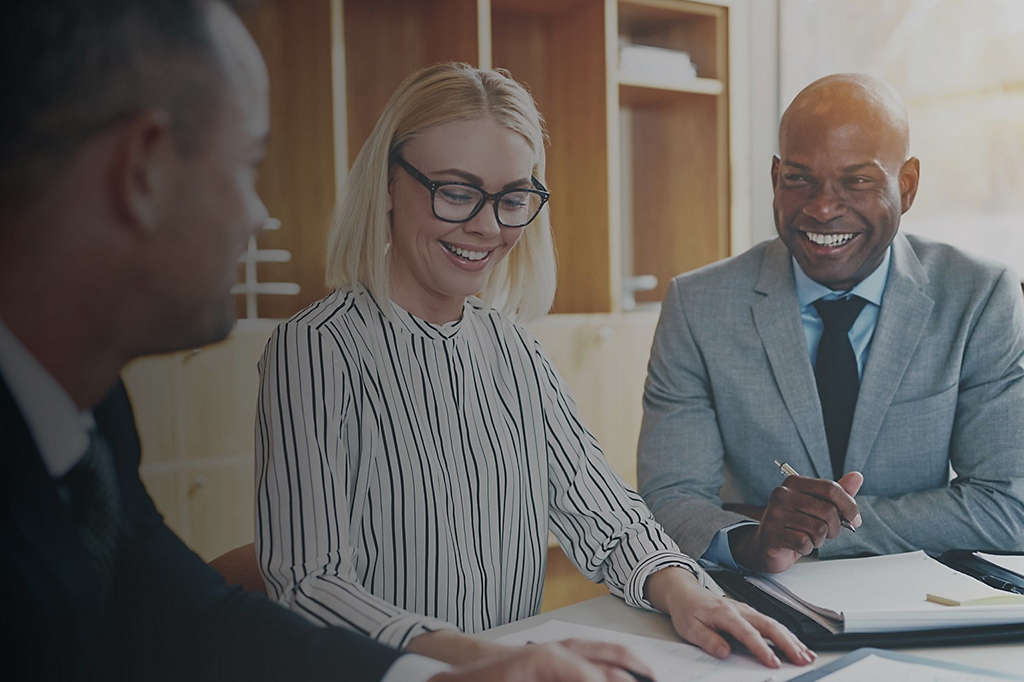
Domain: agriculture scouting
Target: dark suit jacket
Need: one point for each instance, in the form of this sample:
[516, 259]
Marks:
[167, 616]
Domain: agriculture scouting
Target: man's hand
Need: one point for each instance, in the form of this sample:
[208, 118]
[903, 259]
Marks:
[570, 660]
[801, 514]
[702, 617]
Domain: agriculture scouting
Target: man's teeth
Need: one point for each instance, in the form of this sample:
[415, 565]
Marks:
[465, 253]
[829, 239]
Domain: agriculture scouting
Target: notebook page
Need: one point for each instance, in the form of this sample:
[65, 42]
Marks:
[879, 583]
[1013, 563]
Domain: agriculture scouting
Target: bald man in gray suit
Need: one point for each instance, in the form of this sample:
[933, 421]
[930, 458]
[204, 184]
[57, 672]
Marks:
[737, 377]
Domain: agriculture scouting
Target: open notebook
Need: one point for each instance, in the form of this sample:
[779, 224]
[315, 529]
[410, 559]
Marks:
[889, 594]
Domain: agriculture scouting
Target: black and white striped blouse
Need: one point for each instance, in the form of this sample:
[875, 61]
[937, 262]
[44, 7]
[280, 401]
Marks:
[407, 474]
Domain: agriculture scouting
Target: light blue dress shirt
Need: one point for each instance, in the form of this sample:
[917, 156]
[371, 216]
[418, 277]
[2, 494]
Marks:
[871, 289]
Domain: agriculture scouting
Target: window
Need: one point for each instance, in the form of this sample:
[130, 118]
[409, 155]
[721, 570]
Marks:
[959, 65]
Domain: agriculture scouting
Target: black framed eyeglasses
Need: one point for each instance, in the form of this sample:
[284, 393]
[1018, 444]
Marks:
[459, 202]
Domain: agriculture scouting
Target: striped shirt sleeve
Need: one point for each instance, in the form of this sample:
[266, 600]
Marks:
[604, 527]
[302, 481]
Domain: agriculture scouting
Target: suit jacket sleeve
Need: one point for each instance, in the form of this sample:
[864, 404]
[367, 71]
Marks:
[181, 621]
[983, 507]
[680, 456]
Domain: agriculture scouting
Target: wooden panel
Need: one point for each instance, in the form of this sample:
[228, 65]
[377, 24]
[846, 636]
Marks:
[560, 57]
[677, 185]
[635, 94]
[297, 179]
[386, 40]
[195, 412]
[603, 360]
[537, 6]
[723, 140]
[564, 584]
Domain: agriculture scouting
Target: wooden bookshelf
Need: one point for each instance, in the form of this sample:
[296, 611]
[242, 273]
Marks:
[638, 165]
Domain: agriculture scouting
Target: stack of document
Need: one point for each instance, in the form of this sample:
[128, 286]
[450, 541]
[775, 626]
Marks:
[644, 63]
[893, 593]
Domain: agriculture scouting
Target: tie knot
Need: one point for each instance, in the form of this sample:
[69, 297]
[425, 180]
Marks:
[840, 314]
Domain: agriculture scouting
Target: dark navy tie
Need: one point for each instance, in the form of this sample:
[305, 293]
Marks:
[93, 496]
[835, 371]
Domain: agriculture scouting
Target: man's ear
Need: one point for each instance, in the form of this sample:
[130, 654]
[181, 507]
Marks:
[142, 169]
[775, 170]
[910, 173]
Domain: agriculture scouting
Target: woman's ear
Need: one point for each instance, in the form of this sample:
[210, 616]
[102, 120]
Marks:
[391, 184]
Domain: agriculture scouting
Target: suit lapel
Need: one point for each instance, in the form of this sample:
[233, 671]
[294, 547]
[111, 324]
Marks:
[901, 322]
[39, 516]
[777, 318]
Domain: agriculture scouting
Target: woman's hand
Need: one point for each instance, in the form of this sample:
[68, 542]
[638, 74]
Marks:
[702, 617]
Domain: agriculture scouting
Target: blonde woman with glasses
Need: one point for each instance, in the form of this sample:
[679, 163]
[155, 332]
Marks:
[414, 444]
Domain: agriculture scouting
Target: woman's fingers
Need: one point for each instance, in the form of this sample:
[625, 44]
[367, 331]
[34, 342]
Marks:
[710, 626]
[788, 643]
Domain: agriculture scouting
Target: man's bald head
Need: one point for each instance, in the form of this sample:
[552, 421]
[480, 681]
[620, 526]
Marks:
[843, 177]
[851, 100]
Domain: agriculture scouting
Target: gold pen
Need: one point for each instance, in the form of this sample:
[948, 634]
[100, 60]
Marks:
[790, 471]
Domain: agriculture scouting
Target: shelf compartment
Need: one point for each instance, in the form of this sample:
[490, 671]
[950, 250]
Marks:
[635, 92]
[676, 184]
[691, 27]
[559, 54]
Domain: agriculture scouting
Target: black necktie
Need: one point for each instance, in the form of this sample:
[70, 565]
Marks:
[835, 370]
[95, 503]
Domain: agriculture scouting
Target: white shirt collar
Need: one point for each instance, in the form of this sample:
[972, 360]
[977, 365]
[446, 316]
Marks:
[59, 428]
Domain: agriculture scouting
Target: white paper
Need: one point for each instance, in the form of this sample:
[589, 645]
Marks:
[878, 668]
[887, 593]
[669, 661]
[877, 583]
[1013, 563]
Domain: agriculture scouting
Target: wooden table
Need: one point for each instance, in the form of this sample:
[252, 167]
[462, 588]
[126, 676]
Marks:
[612, 613]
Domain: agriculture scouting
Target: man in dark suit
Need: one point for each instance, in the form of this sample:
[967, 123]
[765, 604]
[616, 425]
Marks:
[130, 136]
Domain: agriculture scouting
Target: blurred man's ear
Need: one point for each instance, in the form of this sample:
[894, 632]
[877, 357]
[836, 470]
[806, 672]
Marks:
[776, 161]
[142, 170]
[910, 173]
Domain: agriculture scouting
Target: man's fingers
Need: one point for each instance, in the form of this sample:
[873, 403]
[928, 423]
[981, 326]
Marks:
[851, 483]
[606, 653]
[615, 674]
[829, 493]
[785, 527]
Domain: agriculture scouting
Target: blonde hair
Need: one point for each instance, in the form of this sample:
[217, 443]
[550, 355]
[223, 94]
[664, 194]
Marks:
[523, 283]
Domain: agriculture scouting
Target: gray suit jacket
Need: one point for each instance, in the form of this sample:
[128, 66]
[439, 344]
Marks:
[730, 387]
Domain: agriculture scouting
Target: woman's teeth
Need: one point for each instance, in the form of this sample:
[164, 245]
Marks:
[465, 253]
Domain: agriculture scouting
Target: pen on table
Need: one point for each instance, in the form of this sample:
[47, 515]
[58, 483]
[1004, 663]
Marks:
[639, 677]
[1000, 584]
[790, 471]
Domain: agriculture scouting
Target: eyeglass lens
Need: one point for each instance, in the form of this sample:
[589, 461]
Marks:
[458, 202]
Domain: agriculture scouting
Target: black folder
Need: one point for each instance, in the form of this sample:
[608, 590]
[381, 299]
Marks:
[817, 637]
